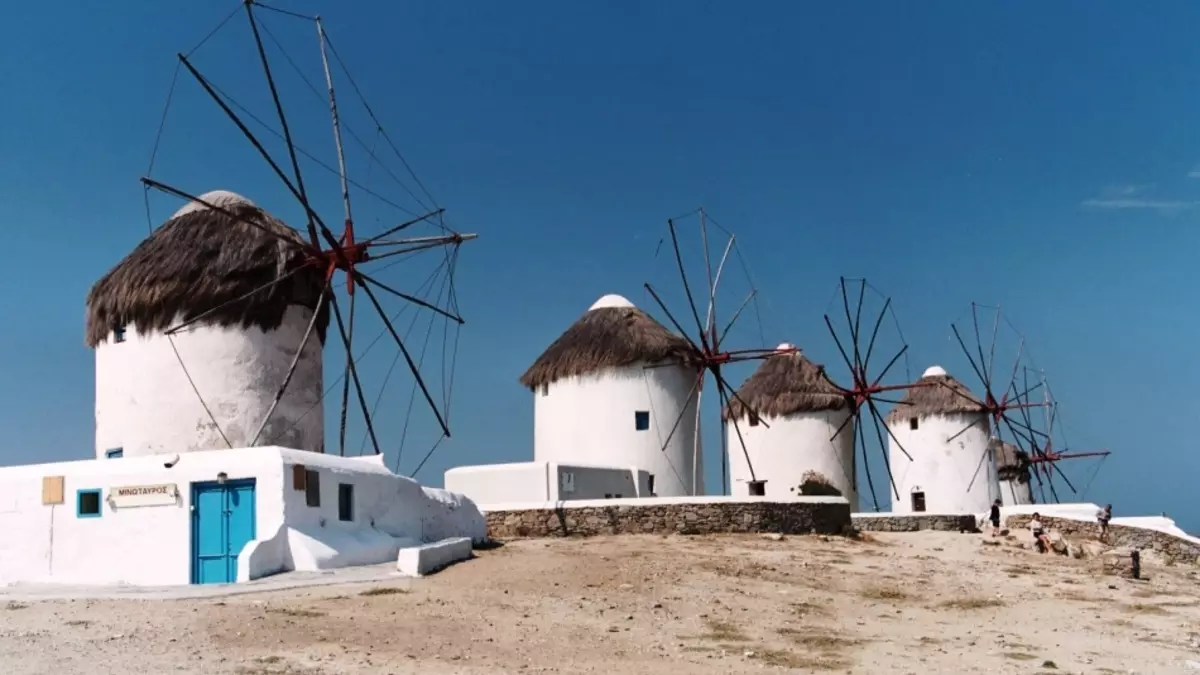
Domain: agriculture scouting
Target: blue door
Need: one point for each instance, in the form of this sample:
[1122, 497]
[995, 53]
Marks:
[222, 524]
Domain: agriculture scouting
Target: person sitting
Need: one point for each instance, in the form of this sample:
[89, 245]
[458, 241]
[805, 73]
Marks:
[1039, 534]
[1102, 517]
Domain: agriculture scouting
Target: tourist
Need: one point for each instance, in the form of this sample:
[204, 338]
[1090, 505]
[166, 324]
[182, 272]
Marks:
[995, 518]
[1103, 516]
[1039, 534]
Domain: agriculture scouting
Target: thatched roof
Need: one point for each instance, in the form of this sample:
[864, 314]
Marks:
[785, 384]
[939, 398]
[199, 259]
[1011, 461]
[611, 334]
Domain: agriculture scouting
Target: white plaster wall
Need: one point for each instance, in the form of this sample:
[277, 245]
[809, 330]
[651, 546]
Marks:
[544, 481]
[943, 468]
[590, 421]
[498, 483]
[390, 512]
[1015, 493]
[784, 448]
[658, 501]
[147, 546]
[145, 404]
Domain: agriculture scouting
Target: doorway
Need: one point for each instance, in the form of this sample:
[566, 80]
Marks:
[918, 502]
[223, 522]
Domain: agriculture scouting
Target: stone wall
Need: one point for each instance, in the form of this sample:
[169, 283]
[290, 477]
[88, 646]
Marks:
[1171, 548]
[672, 518]
[915, 522]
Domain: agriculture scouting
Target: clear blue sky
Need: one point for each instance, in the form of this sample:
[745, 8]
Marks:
[1029, 155]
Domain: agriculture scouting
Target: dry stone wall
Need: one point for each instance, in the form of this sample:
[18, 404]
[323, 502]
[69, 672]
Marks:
[915, 522]
[698, 518]
[1171, 548]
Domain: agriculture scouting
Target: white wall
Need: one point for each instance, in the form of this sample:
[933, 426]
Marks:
[590, 421]
[784, 448]
[1016, 493]
[145, 404]
[943, 468]
[148, 545]
[544, 482]
[151, 545]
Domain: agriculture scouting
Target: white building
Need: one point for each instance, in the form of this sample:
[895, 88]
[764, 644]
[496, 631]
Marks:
[215, 516]
[1013, 473]
[803, 447]
[944, 428]
[166, 500]
[608, 393]
[211, 384]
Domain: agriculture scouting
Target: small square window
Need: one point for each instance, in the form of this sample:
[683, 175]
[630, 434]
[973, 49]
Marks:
[641, 420]
[119, 334]
[345, 502]
[312, 488]
[913, 423]
[114, 453]
[754, 420]
[87, 504]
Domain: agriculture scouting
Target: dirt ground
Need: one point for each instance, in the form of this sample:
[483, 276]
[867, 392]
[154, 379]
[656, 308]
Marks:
[904, 603]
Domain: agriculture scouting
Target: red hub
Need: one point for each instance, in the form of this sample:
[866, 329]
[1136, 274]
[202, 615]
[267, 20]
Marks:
[345, 256]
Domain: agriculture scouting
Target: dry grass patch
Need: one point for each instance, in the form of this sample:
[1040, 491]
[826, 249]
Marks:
[1019, 656]
[383, 590]
[298, 613]
[888, 593]
[817, 640]
[803, 662]
[723, 631]
[967, 604]
[1140, 608]
[805, 608]
[13, 605]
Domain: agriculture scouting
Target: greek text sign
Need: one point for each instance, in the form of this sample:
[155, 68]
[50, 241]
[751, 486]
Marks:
[143, 495]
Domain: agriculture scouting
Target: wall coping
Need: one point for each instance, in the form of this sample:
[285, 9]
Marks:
[655, 501]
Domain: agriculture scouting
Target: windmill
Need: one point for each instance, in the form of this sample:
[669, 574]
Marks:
[1011, 398]
[351, 264]
[708, 341]
[868, 386]
[1044, 463]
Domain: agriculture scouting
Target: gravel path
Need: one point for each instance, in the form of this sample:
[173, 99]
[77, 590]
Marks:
[905, 603]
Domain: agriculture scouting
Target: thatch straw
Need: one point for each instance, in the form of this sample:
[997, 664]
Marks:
[200, 259]
[815, 484]
[785, 384]
[939, 398]
[1011, 461]
[604, 338]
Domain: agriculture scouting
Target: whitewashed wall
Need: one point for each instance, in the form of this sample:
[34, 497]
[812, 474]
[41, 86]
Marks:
[590, 421]
[943, 468]
[149, 545]
[146, 405]
[524, 482]
[1016, 493]
[152, 545]
[785, 448]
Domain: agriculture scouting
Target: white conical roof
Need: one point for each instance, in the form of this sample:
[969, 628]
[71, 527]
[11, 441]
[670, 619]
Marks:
[610, 301]
[785, 347]
[222, 198]
[934, 371]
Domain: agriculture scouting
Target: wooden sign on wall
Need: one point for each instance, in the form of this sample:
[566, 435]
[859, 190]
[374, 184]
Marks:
[143, 495]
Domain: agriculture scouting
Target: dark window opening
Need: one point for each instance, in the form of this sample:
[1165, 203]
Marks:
[641, 420]
[650, 483]
[114, 453]
[88, 504]
[918, 502]
[345, 502]
[754, 420]
[119, 334]
[913, 423]
[312, 488]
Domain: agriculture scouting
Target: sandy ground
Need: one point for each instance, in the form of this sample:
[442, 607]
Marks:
[905, 603]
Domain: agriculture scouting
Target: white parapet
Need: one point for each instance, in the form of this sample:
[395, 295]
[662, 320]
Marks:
[417, 561]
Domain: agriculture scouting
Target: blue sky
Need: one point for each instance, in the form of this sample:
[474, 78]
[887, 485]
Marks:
[1039, 157]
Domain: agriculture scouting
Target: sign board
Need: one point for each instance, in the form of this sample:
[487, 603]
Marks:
[567, 482]
[143, 495]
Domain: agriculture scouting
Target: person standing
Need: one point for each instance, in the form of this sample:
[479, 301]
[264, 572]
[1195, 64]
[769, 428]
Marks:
[1102, 517]
[994, 516]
